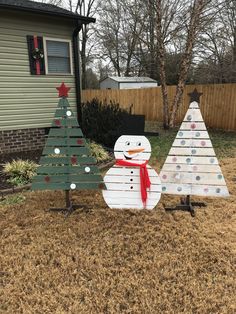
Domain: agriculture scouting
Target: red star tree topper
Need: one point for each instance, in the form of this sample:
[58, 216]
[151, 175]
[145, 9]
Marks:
[63, 90]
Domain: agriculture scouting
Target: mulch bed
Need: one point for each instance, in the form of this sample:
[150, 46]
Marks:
[118, 261]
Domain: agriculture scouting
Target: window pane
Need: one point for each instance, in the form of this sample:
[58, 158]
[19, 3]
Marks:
[57, 49]
[58, 65]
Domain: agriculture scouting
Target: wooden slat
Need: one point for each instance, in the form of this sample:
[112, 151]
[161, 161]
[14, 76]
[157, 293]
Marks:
[129, 179]
[129, 187]
[128, 194]
[58, 122]
[66, 186]
[191, 151]
[193, 115]
[67, 178]
[61, 132]
[65, 141]
[78, 151]
[193, 134]
[191, 143]
[191, 160]
[63, 170]
[192, 178]
[127, 171]
[196, 126]
[200, 190]
[191, 168]
[45, 160]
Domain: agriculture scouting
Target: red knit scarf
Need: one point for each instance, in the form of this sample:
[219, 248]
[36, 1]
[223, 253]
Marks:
[145, 182]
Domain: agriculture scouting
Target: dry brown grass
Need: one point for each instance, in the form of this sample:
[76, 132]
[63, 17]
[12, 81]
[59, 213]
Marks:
[111, 261]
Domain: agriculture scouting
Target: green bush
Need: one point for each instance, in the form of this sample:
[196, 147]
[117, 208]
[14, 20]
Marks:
[20, 171]
[98, 152]
[103, 123]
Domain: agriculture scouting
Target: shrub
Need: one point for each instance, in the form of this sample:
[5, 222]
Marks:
[103, 123]
[20, 171]
[98, 152]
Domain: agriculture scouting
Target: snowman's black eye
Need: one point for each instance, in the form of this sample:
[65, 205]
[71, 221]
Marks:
[139, 144]
[127, 143]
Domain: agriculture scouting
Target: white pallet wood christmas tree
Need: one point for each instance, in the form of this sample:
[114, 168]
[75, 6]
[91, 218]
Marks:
[191, 167]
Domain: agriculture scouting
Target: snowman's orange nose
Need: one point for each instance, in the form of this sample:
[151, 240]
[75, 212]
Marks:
[135, 151]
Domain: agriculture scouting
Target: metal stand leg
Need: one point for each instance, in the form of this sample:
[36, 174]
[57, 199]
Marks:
[186, 205]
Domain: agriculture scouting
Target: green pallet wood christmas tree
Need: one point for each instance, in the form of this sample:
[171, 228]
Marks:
[66, 163]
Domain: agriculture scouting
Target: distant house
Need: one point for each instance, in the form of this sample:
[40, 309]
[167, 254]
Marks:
[116, 82]
[38, 51]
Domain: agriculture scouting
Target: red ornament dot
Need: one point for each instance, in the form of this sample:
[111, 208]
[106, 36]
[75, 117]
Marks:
[57, 122]
[203, 143]
[79, 141]
[164, 176]
[193, 126]
[73, 160]
[206, 190]
[174, 159]
[47, 179]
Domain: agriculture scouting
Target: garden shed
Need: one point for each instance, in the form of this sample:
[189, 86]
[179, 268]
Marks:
[116, 82]
[38, 51]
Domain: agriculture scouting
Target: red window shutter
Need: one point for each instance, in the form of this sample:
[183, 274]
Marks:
[36, 55]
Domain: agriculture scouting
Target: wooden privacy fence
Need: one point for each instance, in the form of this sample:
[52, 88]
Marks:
[218, 102]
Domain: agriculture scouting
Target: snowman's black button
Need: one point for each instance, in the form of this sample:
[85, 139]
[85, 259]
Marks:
[132, 172]
[131, 180]
[131, 187]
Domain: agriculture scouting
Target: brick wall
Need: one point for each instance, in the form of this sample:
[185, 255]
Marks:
[21, 140]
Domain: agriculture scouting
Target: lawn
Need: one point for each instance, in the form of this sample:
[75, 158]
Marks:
[121, 261]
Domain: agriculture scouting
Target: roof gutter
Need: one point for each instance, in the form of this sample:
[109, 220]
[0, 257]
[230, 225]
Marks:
[83, 19]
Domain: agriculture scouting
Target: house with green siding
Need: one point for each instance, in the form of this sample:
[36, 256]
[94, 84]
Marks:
[39, 49]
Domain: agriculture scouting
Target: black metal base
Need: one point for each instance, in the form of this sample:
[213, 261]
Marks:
[70, 208]
[186, 205]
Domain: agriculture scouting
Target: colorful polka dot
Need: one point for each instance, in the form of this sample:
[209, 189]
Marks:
[181, 134]
[57, 122]
[183, 142]
[203, 143]
[177, 176]
[193, 126]
[212, 160]
[193, 151]
[197, 134]
[188, 160]
[80, 141]
[164, 176]
[218, 190]
[189, 117]
[198, 178]
[87, 169]
[219, 176]
[179, 189]
[73, 160]
[163, 188]
[73, 186]
[68, 113]
[178, 167]
[57, 151]
[206, 190]
[47, 179]
[174, 159]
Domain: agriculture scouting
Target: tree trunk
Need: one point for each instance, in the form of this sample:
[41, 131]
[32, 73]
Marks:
[187, 57]
[161, 59]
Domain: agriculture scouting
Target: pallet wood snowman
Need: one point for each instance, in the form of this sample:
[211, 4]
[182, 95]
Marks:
[191, 167]
[131, 182]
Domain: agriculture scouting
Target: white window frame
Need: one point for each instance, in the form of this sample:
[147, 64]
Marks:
[46, 56]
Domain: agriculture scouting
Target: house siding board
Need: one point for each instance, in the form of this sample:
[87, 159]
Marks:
[28, 101]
